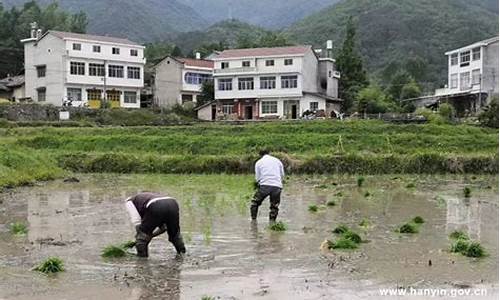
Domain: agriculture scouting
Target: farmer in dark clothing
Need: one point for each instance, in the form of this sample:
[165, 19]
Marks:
[152, 215]
[269, 174]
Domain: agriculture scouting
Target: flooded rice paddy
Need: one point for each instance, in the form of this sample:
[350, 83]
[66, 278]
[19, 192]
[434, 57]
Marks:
[231, 258]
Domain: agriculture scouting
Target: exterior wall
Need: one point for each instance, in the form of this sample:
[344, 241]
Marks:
[305, 103]
[49, 51]
[121, 90]
[168, 82]
[19, 93]
[327, 77]
[490, 69]
[310, 75]
[205, 113]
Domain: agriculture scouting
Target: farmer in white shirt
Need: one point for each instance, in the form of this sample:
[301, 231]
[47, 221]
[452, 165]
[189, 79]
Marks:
[153, 214]
[269, 175]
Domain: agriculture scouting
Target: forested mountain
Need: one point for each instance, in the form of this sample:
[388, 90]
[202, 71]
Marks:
[396, 34]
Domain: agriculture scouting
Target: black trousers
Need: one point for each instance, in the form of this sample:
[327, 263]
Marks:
[163, 212]
[262, 193]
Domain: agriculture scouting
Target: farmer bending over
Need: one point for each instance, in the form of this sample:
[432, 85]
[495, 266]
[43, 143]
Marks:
[269, 174]
[152, 215]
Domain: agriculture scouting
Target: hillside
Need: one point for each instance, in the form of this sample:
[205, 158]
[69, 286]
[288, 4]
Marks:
[392, 31]
[271, 14]
[142, 21]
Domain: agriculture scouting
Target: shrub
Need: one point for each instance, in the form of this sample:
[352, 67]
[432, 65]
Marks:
[418, 220]
[489, 117]
[408, 228]
[51, 265]
[18, 228]
[113, 252]
[447, 112]
[278, 226]
[341, 229]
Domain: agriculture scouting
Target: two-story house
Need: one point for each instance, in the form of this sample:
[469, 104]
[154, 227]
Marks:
[272, 83]
[179, 80]
[472, 77]
[86, 70]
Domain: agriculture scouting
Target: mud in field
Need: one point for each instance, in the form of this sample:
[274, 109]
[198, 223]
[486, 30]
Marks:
[231, 258]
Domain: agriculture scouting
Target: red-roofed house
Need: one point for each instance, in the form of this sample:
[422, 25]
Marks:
[179, 80]
[280, 82]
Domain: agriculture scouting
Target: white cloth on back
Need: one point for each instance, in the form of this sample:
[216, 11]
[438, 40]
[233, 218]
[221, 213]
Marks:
[269, 171]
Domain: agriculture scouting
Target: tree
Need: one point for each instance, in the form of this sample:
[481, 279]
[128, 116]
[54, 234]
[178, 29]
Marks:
[398, 81]
[410, 90]
[155, 52]
[177, 52]
[489, 117]
[207, 49]
[350, 64]
[372, 100]
[207, 93]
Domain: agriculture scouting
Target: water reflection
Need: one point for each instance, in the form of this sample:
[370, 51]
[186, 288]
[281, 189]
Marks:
[158, 281]
[465, 215]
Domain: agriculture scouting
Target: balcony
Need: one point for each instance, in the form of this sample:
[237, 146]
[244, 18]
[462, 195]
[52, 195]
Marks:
[236, 70]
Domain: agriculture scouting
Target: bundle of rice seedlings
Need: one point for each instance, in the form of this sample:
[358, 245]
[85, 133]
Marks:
[278, 226]
[51, 265]
[18, 228]
[113, 251]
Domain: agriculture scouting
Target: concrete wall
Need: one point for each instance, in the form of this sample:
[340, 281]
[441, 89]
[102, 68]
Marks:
[490, 69]
[310, 74]
[205, 113]
[168, 82]
[326, 75]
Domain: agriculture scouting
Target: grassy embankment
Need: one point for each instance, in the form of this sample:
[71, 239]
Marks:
[359, 147]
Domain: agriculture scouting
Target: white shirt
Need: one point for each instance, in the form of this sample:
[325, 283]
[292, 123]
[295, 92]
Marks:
[269, 171]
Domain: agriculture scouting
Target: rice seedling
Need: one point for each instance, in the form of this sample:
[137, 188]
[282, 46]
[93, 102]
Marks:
[352, 236]
[313, 208]
[474, 250]
[113, 251]
[467, 192]
[360, 181]
[341, 229]
[339, 194]
[51, 265]
[331, 203]
[278, 226]
[342, 243]
[408, 228]
[207, 298]
[364, 223]
[459, 246]
[410, 185]
[418, 220]
[367, 194]
[458, 235]
[18, 228]
[128, 245]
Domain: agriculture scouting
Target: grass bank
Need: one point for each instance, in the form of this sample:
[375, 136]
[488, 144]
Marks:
[356, 147]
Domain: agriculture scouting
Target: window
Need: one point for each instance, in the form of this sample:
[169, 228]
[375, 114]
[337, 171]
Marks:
[313, 106]
[134, 72]
[269, 107]
[464, 58]
[134, 52]
[465, 80]
[96, 49]
[454, 59]
[97, 70]
[74, 94]
[116, 51]
[113, 95]
[41, 71]
[245, 84]
[115, 71]
[476, 76]
[453, 81]
[196, 78]
[77, 47]
[245, 64]
[289, 82]
[476, 53]
[269, 62]
[267, 83]
[186, 98]
[130, 97]
[224, 65]
[288, 62]
[41, 94]
[77, 68]
[227, 109]
[225, 84]
[94, 95]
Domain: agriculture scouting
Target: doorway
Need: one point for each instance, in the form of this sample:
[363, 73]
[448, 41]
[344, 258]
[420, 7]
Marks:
[214, 112]
[294, 111]
[249, 112]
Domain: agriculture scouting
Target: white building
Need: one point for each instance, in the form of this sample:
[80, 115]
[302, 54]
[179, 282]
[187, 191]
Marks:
[271, 83]
[63, 66]
[472, 77]
[179, 80]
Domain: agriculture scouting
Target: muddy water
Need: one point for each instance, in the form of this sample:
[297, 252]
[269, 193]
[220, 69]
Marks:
[230, 258]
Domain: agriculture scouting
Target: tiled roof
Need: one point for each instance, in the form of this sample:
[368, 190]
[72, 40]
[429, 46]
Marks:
[258, 52]
[201, 63]
[90, 37]
[13, 81]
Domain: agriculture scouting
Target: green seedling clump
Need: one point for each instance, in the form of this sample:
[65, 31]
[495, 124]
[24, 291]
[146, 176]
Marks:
[313, 208]
[459, 246]
[51, 266]
[418, 220]
[410, 185]
[360, 181]
[474, 250]
[278, 226]
[352, 236]
[408, 228]
[18, 228]
[364, 223]
[467, 192]
[367, 194]
[207, 298]
[128, 244]
[342, 243]
[459, 235]
[113, 252]
[341, 229]
[331, 203]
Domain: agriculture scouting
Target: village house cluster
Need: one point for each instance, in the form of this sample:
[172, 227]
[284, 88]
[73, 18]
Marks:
[70, 69]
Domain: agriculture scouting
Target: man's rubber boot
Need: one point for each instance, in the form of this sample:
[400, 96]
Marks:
[178, 243]
[254, 210]
[142, 241]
